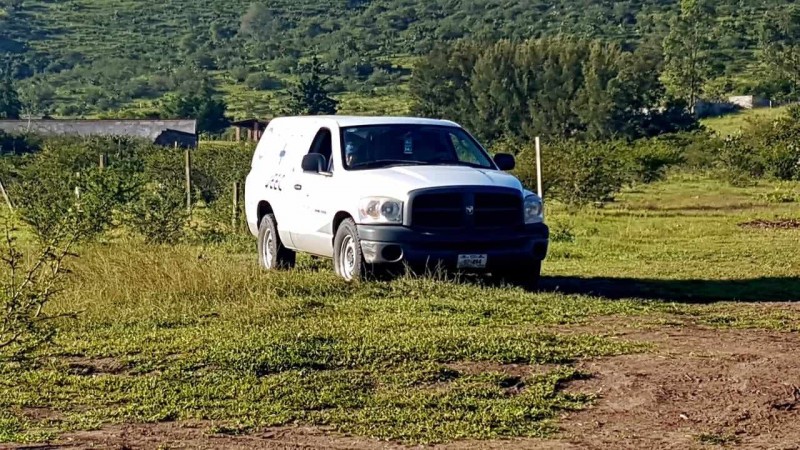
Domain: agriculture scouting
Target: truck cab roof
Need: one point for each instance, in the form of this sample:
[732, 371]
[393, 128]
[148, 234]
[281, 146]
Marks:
[360, 121]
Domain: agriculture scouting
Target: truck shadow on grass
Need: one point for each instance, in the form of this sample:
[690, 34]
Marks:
[773, 289]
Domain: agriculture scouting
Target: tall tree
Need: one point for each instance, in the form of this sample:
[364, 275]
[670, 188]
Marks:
[687, 50]
[10, 105]
[780, 47]
[309, 96]
[208, 111]
[439, 83]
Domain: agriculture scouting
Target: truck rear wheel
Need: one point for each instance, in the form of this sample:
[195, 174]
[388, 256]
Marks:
[271, 252]
[347, 257]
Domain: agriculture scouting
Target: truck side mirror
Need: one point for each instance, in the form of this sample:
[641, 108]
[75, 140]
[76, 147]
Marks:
[314, 162]
[505, 162]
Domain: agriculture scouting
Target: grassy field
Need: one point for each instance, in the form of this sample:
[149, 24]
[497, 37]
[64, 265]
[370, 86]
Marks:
[200, 334]
[733, 123]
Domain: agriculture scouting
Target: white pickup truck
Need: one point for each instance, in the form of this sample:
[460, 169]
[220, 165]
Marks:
[377, 192]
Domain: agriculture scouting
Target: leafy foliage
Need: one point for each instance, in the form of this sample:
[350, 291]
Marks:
[780, 40]
[160, 214]
[28, 285]
[209, 111]
[10, 106]
[548, 87]
[62, 189]
[764, 149]
[310, 96]
[687, 50]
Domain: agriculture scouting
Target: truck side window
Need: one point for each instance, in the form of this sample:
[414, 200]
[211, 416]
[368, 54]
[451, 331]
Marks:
[323, 145]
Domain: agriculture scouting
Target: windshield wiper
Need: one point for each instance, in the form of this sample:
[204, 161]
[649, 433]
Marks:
[449, 162]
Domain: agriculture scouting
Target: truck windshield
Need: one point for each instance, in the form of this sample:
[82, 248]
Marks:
[377, 146]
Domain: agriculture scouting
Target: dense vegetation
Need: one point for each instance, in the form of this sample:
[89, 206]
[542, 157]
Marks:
[89, 57]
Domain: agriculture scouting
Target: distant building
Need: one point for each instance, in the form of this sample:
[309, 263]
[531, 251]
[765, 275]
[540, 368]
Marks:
[749, 101]
[712, 109]
[182, 133]
[253, 127]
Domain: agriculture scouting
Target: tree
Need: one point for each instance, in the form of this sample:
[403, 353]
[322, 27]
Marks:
[780, 47]
[553, 87]
[260, 23]
[10, 105]
[37, 99]
[687, 50]
[207, 110]
[310, 95]
[439, 84]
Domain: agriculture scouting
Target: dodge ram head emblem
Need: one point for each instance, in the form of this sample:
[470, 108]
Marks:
[470, 210]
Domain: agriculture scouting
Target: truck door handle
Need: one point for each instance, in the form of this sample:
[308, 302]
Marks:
[298, 187]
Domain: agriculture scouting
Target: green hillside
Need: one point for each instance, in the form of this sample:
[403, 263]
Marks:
[89, 57]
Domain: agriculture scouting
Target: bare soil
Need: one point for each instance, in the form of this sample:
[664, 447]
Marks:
[700, 388]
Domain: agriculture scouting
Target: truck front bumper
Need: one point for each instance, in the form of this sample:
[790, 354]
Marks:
[387, 244]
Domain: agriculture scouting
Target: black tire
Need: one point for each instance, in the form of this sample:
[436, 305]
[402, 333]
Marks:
[272, 254]
[526, 276]
[348, 260]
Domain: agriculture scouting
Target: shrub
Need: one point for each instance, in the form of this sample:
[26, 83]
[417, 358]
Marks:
[649, 159]
[764, 149]
[28, 286]
[160, 214]
[782, 194]
[739, 163]
[216, 167]
[576, 172]
[62, 188]
[240, 73]
[262, 82]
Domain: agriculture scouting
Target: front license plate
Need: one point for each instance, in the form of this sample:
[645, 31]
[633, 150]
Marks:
[472, 261]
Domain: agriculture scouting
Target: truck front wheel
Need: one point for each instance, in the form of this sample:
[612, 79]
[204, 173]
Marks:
[525, 276]
[347, 257]
[271, 252]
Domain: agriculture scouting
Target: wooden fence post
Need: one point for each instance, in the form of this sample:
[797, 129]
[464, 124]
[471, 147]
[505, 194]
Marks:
[78, 188]
[235, 206]
[188, 179]
[539, 167]
[102, 161]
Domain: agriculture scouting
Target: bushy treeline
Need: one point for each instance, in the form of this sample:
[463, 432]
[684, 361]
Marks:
[559, 87]
[764, 149]
[60, 183]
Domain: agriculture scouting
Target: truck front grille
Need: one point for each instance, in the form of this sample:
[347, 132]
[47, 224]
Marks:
[466, 209]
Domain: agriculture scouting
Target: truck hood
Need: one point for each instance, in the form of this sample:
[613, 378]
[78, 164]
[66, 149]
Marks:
[397, 182]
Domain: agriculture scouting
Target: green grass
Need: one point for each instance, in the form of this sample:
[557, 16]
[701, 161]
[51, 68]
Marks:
[731, 124]
[182, 333]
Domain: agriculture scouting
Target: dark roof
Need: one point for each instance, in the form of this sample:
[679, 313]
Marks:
[248, 123]
[148, 129]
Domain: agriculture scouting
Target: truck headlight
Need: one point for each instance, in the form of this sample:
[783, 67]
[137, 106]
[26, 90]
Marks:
[380, 210]
[533, 210]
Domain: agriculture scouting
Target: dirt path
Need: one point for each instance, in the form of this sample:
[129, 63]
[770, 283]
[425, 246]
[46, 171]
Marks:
[700, 388]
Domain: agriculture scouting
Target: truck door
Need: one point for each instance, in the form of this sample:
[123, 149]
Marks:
[315, 194]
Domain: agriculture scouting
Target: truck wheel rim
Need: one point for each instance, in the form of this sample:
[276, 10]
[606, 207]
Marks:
[347, 258]
[268, 249]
